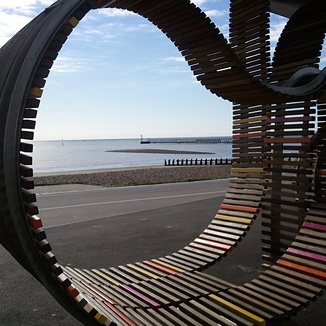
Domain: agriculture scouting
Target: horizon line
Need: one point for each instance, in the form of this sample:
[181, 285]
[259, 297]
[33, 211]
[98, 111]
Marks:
[131, 138]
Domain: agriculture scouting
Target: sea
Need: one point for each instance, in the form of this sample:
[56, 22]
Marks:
[76, 155]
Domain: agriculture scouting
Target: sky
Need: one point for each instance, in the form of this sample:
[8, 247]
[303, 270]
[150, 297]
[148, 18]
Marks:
[119, 76]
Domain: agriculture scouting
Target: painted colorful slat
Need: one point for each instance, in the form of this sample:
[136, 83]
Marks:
[315, 226]
[303, 281]
[176, 264]
[100, 318]
[73, 21]
[234, 219]
[122, 316]
[149, 301]
[248, 120]
[35, 222]
[99, 293]
[249, 135]
[303, 269]
[214, 244]
[160, 267]
[163, 261]
[256, 320]
[240, 208]
[106, 277]
[307, 254]
[142, 271]
[35, 92]
[72, 291]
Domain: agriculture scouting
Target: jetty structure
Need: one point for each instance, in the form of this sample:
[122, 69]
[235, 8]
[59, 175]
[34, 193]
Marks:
[187, 140]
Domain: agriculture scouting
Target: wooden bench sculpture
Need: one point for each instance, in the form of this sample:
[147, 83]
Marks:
[276, 109]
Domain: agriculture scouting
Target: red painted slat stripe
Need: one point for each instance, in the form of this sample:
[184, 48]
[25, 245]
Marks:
[72, 291]
[34, 222]
[249, 135]
[161, 268]
[120, 314]
[240, 208]
[99, 293]
[302, 269]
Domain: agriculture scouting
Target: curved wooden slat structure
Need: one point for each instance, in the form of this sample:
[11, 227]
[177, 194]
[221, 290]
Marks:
[275, 110]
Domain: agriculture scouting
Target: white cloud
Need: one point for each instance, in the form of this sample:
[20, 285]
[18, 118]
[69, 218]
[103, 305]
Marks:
[272, 51]
[24, 7]
[15, 15]
[172, 71]
[93, 32]
[11, 24]
[216, 13]
[114, 12]
[178, 59]
[69, 65]
[94, 36]
[137, 28]
[276, 31]
[170, 65]
[198, 2]
[110, 31]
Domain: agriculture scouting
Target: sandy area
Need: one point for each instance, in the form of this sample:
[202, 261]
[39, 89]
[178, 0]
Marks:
[135, 176]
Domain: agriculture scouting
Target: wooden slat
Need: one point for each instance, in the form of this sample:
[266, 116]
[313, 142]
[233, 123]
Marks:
[256, 320]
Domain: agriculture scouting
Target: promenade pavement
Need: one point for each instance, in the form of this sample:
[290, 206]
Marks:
[122, 239]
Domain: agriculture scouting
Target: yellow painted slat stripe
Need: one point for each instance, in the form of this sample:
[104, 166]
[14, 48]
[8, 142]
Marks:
[73, 21]
[240, 220]
[106, 277]
[100, 318]
[168, 265]
[142, 271]
[249, 120]
[247, 170]
[256, 320]
[35, 92]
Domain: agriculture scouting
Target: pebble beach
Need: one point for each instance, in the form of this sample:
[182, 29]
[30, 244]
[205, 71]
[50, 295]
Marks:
[135, 176]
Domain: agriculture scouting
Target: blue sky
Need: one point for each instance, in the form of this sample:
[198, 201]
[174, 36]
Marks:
[118, 76]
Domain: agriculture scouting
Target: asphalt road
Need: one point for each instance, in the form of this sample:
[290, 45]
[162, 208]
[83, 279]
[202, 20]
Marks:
[108, 227]
[63, 208]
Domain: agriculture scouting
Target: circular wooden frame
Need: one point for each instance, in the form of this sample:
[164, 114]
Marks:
[275, 151]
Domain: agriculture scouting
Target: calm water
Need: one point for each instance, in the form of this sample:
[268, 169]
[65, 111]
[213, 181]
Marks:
[72, 155]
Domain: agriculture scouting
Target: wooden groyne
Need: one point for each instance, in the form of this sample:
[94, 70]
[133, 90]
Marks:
[201, 161]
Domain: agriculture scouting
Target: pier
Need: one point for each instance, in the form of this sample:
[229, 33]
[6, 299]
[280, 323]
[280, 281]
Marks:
[187, 140]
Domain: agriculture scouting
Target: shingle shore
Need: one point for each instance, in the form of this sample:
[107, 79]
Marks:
[133, 176]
